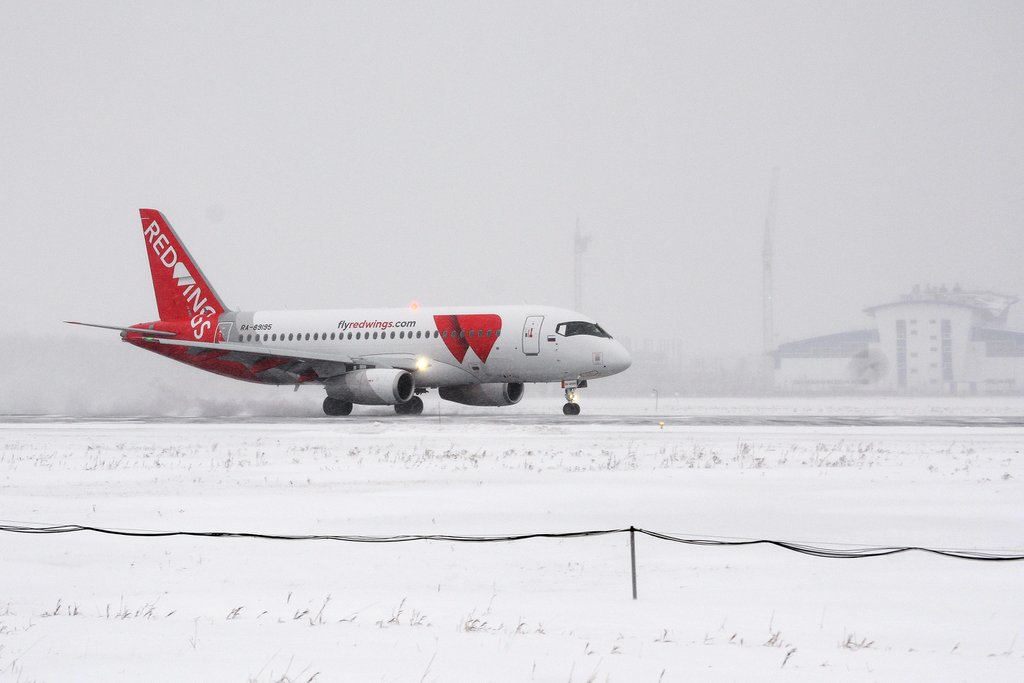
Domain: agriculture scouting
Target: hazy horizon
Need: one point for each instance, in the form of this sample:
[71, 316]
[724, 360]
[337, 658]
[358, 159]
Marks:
[326, 155]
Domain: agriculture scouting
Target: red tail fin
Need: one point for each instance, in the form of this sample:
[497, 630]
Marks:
[182, 291]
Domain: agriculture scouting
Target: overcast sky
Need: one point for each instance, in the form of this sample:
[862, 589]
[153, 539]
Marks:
[370, 154]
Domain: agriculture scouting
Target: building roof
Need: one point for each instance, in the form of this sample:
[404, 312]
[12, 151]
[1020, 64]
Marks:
[990, 304]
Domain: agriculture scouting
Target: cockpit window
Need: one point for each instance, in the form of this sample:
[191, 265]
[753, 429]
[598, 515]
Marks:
[572, 329]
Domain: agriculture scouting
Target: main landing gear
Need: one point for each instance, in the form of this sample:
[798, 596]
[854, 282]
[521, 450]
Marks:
[414, 406]
[571, 407]
[334, 407]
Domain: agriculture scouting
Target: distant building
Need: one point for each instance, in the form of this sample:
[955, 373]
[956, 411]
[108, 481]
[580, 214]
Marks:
[931, 341]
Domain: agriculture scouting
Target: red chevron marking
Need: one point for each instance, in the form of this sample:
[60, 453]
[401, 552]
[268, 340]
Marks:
[476, 328]
[463, 332]
[448, 326]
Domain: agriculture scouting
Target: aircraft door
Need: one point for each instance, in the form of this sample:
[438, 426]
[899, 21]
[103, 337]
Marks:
[531, 335]
[224, 332]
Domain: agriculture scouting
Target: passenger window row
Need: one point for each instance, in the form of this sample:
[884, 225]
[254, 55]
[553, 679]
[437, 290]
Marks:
[342, 336]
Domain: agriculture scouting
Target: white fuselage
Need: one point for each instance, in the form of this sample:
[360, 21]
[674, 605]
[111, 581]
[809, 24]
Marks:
[442, 346]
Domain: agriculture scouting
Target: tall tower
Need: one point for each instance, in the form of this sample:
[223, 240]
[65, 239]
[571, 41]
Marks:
[767, 294]
[579, 248]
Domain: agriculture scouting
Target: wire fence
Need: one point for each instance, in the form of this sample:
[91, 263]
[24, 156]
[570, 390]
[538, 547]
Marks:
[833, 551]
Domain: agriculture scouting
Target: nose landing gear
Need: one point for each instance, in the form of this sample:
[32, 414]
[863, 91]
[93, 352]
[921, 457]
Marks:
[571, 407]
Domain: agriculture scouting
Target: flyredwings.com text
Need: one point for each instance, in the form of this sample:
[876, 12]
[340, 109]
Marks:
[375, 324]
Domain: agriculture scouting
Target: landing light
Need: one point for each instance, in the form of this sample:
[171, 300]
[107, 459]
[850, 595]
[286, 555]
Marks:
[422, 363]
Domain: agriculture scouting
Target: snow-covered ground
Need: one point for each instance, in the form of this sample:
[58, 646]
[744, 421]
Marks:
[89, 607]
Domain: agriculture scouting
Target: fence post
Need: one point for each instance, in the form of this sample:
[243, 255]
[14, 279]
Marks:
[632, 555]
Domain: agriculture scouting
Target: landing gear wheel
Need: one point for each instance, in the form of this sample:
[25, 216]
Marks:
[571, 407]
[414, 406]
[334, 407]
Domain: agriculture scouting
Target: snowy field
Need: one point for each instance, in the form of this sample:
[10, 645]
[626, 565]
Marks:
[89, 607]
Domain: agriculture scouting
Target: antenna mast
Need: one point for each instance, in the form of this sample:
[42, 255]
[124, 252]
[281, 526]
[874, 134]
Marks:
[580, 243]
[767, 293]
[768, 330]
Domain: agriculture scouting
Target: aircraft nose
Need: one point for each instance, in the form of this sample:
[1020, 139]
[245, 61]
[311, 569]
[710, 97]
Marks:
[618, 358]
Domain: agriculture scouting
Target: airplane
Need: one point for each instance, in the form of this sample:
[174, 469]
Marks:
[476, 356]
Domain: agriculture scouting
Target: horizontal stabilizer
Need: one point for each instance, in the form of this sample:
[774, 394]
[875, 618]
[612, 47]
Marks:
[143, 330]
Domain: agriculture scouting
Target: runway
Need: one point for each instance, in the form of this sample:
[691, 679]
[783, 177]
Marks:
[546, 420]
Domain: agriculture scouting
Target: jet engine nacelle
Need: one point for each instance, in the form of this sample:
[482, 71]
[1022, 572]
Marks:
[490, 394]
[374, 387]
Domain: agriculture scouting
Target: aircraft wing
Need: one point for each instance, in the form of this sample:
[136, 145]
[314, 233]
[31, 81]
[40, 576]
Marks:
[401, 361]
[297, 354]
[285, 365]
[262, 363]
